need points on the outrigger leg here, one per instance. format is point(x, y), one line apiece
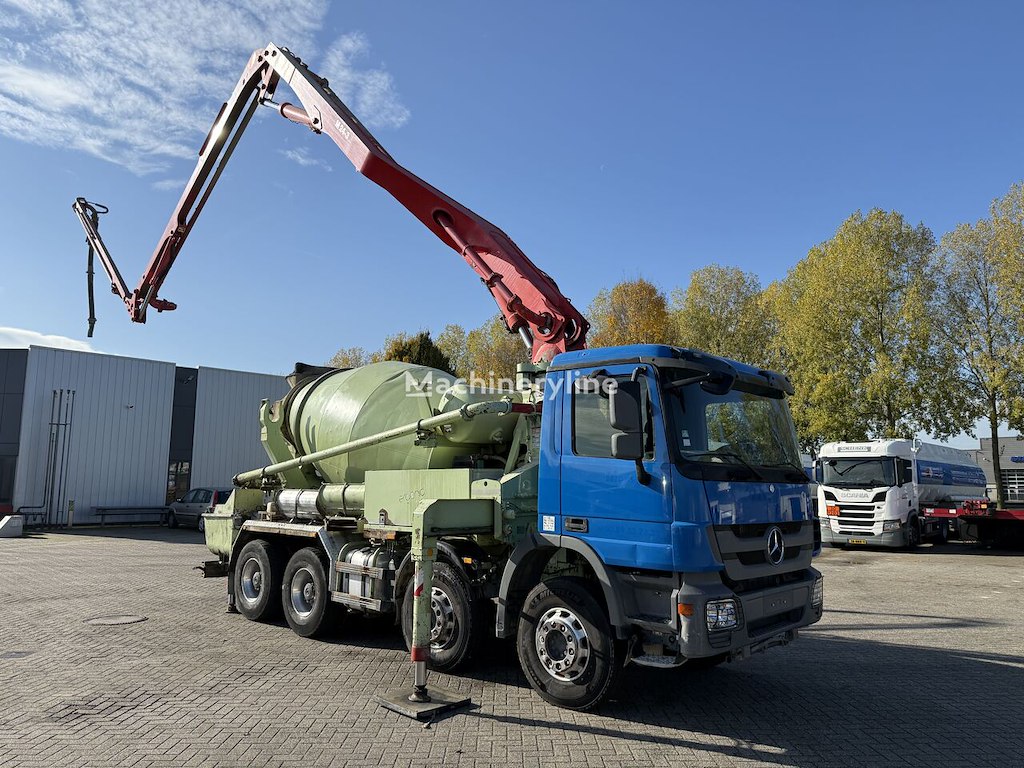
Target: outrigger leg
point(421, 703)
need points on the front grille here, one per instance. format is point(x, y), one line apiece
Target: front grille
point(844, 506)
point(744, 553)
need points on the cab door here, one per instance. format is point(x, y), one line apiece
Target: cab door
point(624, 515)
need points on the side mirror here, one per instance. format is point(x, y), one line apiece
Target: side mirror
point(624, 407)
point(628, 445)
point(624, 415)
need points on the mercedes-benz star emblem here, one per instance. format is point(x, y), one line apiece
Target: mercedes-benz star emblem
point(775, 546)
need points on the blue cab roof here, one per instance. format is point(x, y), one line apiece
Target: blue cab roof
point(586, 358)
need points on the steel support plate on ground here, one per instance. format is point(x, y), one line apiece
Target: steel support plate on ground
point(441, 700)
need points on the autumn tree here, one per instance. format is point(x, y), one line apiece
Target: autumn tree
point(858, 338)
point(418, 349)
point(491, 349)
point(721, 311)
point(1007, 215)
point(972, 314)
point(632, 312)
point(452, 342)
point(349, 357)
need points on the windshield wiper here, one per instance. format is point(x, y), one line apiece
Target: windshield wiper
point(854, 464)
point(753, 470)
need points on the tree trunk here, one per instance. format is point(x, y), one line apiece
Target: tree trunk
point(993, 420)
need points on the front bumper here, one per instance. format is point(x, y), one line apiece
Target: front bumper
point(873, 536)
point(766, 617)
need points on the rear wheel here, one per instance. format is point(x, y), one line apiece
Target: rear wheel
point(257, 580)
point(454, 627)
point(201, 523)
point(566, 645)
point(304, 594)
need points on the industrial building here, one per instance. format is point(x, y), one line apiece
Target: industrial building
point(81, 430)
point(1011, 465)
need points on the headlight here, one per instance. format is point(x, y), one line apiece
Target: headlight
point(892, 525)
point(818, 593)
point(721, 614)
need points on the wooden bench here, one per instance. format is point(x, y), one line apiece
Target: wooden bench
point(106, 512)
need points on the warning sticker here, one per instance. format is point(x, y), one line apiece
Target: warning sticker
point(548, 523)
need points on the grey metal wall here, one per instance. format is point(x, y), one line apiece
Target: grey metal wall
point(227, 428)
point(117, 454)
point(12, 396)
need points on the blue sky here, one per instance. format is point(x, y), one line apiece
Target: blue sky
point(609, 140)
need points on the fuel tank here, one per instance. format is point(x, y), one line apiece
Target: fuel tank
point(330, 406)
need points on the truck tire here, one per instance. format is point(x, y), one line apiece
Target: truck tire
point(305, 597)
point(913, 534)
point(257, 581)
point(455, 629)
point(566, 645)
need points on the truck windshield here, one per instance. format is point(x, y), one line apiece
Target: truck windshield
point(739, 435)
point(858, 473)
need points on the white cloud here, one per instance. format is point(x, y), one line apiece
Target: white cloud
point(369, 92)
point(21, 338)
point(138, 84)
point(166, 185)
point(303, 158)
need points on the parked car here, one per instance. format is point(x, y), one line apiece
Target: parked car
point(189, 509)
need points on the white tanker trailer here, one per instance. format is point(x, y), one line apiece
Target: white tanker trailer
point(874, 492)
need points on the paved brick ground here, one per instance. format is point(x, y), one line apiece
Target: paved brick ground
point(919, 661)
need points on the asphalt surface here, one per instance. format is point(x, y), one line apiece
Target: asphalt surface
point(918, 661)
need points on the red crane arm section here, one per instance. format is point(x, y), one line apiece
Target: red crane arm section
point(528, 298)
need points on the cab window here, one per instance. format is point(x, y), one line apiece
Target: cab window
point(592, 433)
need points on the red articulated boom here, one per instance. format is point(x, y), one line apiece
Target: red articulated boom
point(528, 298)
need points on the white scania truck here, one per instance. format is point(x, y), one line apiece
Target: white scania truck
point(874, 492)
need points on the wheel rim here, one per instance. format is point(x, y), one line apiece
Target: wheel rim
point(252, 580)
point(202, 524)
point(443, 624)
point(303, 592)
point(562, 644)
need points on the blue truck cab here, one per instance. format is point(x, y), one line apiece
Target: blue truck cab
point(672, 479)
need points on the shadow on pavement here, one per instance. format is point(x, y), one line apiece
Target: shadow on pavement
point(136, 532)
point(873, 704)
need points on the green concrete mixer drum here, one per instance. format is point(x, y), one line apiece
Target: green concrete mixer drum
point(328, 407)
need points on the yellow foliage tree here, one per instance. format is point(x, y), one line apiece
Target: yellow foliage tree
point(722, 311)
point(632, 312)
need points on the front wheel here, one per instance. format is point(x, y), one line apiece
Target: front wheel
point(172, 521)
point(912, 535)
point(454, 627)
point(304, 594)
point(566, 645)
point(201, 523)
